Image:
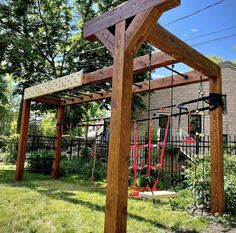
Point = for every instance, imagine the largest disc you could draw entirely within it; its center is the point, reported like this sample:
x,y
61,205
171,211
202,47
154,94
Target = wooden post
x,y
216,150
58,142
24,127
119,144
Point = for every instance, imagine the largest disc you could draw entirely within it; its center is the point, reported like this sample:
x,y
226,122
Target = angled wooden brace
x,y
107,38
141,24
173,46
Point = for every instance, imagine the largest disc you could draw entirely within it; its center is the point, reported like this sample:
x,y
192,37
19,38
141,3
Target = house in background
x,y
198,122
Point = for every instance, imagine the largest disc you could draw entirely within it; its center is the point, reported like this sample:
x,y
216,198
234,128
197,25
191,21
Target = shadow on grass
x,y
8,177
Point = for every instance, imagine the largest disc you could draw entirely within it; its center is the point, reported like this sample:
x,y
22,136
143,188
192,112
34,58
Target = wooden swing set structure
x,y
122,30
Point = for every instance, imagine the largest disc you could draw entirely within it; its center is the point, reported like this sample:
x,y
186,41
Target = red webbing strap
x,y
189,124
149,148
159,166
135,152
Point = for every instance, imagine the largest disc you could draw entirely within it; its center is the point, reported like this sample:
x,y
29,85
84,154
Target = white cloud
x,y
157,76
194,30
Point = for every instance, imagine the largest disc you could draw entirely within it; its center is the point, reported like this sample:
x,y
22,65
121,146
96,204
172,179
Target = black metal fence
x,y
73,146
177,153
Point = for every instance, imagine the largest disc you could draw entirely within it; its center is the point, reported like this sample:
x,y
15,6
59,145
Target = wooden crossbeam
x,y
170,44
64,83
141,64
46,100
123,12
158,84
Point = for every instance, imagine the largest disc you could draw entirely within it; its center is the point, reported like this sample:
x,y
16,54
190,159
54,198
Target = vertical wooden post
x,y
119,144
24,127
216,150
58,142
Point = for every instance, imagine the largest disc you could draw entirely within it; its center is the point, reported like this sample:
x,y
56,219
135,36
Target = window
x,y
163,120
225,139
224,102
162,124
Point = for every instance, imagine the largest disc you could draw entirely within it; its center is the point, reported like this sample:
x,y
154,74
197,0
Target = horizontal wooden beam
x,y
47,100
170,44
141,65
158,84
60,84
122,12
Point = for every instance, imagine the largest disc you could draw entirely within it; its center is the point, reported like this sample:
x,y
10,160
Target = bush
x,y
9,148
201,185
83,166
166,181
182,202
40,161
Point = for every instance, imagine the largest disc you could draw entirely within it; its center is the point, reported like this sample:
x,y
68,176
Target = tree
x,y
37,38
216,59
43,39
7,106
3,94
48,125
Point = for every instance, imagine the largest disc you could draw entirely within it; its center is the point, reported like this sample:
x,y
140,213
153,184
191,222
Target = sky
x,y
221,17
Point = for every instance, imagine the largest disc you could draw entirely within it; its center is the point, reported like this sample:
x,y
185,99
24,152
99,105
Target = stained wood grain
x,y
170,44
107,38
58,142
46,100
119,143
158,84
216,151
122,12
24,127
141,64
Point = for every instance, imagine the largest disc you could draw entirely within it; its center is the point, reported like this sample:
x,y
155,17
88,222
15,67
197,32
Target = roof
x,y
227,64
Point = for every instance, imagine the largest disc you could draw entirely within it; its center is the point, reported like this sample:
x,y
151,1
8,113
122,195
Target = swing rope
x,y
94,155
150,120
202,135
160,164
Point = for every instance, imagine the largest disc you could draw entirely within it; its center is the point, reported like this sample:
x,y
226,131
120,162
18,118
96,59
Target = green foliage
x,y
43,40
9,149
3,94
40,161
83,167
48,125
167,180
8,106
225,219
198,180
183,201
216,59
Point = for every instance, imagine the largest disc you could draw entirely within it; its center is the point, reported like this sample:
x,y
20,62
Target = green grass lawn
x,y
40,204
